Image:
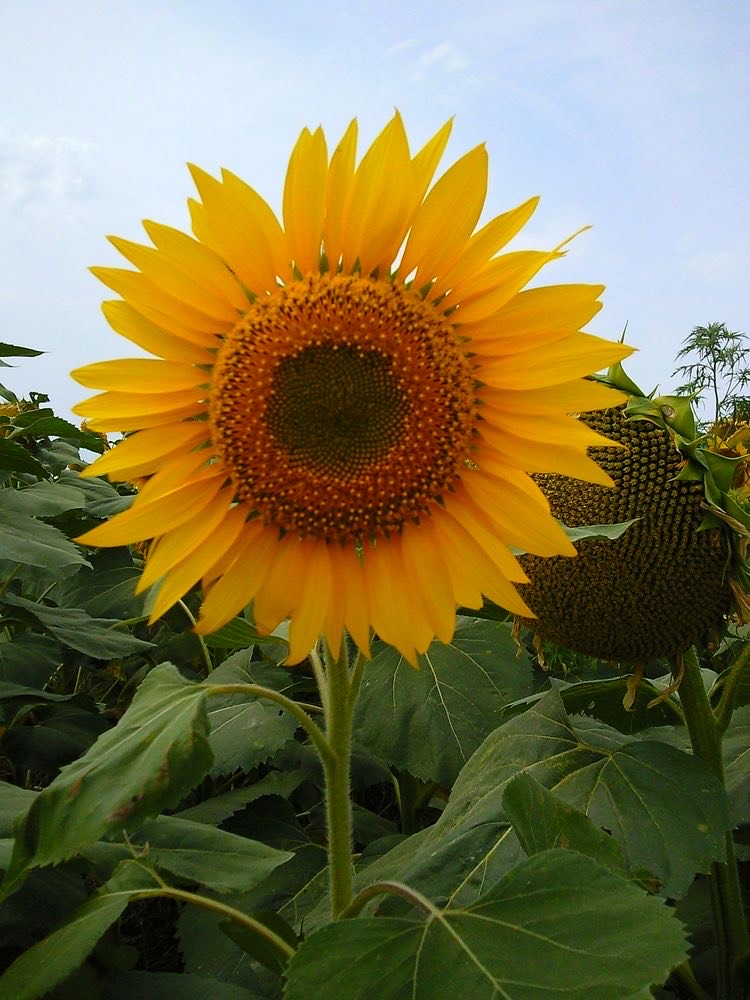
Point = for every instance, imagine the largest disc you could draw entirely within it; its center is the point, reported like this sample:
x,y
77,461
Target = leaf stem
x,y
732,939
228,912
204,648
389,888
319,740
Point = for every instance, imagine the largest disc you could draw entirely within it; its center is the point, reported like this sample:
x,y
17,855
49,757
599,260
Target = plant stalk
x,y
338,700
732,939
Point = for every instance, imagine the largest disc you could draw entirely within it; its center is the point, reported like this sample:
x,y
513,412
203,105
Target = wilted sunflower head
x,y
342,409
672,578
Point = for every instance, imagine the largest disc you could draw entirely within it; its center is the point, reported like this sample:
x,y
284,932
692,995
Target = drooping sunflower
x,y
673,578
343,409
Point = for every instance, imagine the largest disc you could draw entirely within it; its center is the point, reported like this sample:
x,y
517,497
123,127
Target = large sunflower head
x,y
673,577
343,407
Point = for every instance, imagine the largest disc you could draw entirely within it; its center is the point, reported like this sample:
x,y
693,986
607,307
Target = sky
x,y
629,115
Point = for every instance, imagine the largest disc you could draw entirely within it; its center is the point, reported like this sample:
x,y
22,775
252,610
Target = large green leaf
x,y
246,731
197,853
430,721
29,659
51,960
542,821
107,592
24,539
76,628
663,806
557,925
221,807
149,761
472,843
44,499
736,749
16,459
14,802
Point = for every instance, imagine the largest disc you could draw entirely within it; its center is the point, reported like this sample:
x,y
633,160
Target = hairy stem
x,y
732,938
339,704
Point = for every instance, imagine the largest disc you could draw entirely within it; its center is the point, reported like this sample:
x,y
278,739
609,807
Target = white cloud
x,y
442,56
39,171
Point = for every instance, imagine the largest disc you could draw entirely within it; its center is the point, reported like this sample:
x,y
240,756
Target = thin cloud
x,y
38,171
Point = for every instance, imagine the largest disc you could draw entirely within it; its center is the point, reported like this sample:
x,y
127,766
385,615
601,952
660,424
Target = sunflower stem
x,y
732,939
338,699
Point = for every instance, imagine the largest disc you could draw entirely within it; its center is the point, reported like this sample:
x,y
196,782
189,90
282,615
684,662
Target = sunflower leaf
x,y
51,960
453,701
76,629
149,761
24,539
663,806
555,925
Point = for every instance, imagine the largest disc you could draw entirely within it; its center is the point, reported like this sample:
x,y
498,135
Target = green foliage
x,y
719,370
556,925
162,820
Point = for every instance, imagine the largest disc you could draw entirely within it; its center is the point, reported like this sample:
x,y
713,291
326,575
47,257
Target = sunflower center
x,y
342,407
336,408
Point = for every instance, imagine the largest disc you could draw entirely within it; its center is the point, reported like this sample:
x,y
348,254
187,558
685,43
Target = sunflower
x,y
674,576
343,409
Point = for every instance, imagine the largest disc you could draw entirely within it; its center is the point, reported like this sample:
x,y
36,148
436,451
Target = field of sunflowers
x,y
360,643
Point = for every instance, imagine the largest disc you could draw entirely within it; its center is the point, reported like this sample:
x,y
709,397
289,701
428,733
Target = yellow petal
x,y
304,199
577,396
347,565
173,546
550,429
393,612
179,470
495,285
146,520
525,525
428,578
237,585
379,213
150,300
446,220
426,161
282,586
264,217
540,310
312,606
486,529
228,223
508,451
198,261
128,322
472,571
483,245
143,452
124,406
339,187
182,577
579,355
170,278
140,375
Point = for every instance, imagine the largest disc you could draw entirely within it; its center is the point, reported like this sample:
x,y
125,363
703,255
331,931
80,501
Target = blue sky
x,y
632,116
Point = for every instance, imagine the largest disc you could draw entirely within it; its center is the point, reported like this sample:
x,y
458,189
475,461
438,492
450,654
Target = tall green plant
x,y
718,371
